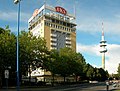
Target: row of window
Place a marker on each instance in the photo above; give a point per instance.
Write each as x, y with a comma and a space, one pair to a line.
58, 38
58, 35
35, 18
64, 23
53, 31
54, 24
35, 23
59, 22
54, 47
33, 26
57, 26
59, 44
57, 16
51, 25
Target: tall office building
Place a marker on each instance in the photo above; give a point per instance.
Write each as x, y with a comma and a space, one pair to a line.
58, 28
54, 24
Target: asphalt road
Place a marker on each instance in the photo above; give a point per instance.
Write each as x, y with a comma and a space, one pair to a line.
78, 87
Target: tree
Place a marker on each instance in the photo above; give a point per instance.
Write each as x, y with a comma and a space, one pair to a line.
103, 74
7, 52
90, 72
52, 63
32, 52
79, 71
69, 63
66, 62
119, 70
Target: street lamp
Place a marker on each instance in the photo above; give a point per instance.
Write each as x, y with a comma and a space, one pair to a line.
18, 2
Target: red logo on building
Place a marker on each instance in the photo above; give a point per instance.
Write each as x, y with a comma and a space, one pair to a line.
35, 12
61, 10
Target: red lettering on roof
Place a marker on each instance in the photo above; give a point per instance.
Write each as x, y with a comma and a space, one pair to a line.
61, 10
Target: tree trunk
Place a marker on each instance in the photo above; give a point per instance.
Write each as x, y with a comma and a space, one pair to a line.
0, 79
53, 79
76, 78
64, 79
29, 75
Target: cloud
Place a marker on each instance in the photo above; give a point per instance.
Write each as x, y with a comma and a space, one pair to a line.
91, 49
8, 16
96, 26
89, 24
12, 16
112, 56
15, 29
117, 16
113, 27
93, 23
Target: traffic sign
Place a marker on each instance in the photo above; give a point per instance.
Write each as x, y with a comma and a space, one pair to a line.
6, 73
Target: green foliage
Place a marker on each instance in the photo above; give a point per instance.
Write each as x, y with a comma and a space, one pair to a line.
119, 70
7, 48
32, 51
66, 62
7, 52
90, 72
33, 54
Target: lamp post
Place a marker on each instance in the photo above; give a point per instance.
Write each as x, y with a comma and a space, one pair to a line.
18, 2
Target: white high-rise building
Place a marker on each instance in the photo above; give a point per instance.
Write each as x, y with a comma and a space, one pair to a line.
57, 27
54, 24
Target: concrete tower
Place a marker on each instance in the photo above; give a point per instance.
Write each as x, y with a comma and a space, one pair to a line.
103, 49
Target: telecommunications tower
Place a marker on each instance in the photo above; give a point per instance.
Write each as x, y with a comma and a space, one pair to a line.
103, 49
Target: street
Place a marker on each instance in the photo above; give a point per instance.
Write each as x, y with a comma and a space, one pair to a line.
78, 87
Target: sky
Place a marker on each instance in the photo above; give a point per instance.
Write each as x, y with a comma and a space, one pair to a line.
89, 17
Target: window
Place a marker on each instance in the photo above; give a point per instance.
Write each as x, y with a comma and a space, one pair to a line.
57, 21
53, 20
54, 25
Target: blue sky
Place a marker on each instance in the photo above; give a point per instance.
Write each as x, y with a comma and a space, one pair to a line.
89, 17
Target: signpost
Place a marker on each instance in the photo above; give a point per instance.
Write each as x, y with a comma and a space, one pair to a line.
6, 77
6, 74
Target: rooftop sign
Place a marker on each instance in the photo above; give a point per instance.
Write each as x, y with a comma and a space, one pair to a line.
35, 12
60, 10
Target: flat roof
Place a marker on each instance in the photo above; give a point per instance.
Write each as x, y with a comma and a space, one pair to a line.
37, 11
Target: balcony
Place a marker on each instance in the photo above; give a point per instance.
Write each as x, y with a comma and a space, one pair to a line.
68, 42
53, 48
68, 46
53, 35
103, 50
53, 39
103, 44
73, 29
53, 44
68, 38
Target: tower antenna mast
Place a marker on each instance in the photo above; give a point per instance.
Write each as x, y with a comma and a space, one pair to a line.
103, 49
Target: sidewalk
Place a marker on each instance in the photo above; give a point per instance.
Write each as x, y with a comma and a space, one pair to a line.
116, 88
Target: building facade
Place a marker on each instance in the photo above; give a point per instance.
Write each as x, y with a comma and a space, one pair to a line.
58, 28
55, 25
